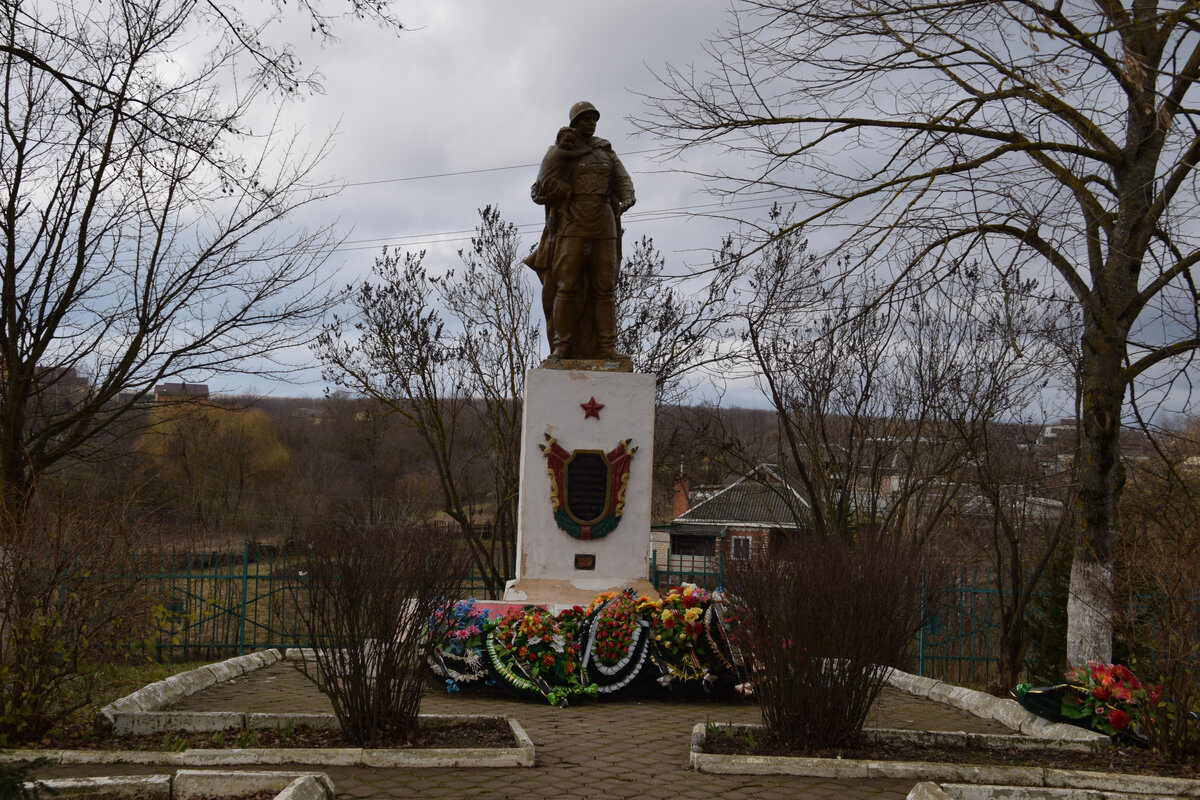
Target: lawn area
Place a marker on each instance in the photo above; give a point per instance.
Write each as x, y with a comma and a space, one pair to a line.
110, 682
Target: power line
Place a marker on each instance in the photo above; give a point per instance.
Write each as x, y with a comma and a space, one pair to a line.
478, 171
633, 217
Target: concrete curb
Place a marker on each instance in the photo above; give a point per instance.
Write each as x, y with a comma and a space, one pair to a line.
193, 785
120, 715
127, 787
961, 791
1006, 712
190, 784
150, 722
1038, 777
522, 754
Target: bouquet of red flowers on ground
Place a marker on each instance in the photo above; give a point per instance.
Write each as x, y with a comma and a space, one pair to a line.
1109, 698
615, 625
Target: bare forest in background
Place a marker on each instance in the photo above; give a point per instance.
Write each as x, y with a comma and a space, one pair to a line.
213, 475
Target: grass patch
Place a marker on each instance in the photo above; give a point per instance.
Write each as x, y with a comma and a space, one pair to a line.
109, 682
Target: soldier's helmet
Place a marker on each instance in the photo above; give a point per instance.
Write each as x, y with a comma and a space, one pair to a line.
581, 107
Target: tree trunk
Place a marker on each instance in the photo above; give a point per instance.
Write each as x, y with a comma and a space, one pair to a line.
1101, 478
1013, 644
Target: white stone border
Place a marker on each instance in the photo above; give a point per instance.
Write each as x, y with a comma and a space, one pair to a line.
963, 791
160, 694
520, 755
186, 784
1007, 712
849, 768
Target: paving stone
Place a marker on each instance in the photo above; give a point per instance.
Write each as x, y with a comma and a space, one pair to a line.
629, 748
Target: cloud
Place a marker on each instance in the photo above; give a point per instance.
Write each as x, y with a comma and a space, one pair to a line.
473, 90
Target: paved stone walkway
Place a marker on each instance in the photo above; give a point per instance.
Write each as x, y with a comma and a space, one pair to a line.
629, 748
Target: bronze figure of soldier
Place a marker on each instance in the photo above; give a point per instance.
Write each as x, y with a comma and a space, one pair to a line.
585, 189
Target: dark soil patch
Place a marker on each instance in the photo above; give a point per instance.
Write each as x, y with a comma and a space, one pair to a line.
471, 733
1115, 759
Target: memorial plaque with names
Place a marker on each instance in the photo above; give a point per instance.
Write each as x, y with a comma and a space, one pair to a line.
588, 477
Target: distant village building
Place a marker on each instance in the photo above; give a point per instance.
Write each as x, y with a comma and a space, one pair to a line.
750, 516
168, 392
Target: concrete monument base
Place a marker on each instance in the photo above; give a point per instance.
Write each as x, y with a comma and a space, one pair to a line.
584, 516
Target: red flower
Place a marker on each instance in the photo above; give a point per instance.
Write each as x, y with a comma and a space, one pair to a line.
1118, 719
1101, 692
1122, 672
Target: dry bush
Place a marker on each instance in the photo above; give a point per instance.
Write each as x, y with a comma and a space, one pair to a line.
1158, 605
68, 601
372, 592
823, 620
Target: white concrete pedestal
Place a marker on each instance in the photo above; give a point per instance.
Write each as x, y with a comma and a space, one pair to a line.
594, 411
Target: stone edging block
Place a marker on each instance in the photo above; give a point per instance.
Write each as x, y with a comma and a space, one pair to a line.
300, 654
1036, 777
1007, 712
963, 791
193, 785
307, 787
522, 754
125, 787
160, 694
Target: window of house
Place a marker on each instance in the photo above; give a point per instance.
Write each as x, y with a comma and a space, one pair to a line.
739, 548
693, 546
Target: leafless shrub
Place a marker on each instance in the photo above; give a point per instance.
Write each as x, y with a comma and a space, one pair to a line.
1157, 608
823, 621
372, 591
67, 602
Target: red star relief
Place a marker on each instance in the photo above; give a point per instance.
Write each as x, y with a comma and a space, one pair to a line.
591, 408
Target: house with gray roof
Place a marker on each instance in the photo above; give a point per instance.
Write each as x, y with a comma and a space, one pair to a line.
746, 518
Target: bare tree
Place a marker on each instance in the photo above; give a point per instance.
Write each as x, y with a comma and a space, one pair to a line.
448, 354
857, 392
668, 329
139, 226
1057, 136
1012, 511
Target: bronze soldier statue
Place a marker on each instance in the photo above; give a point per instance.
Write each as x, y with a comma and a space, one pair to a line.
585, 189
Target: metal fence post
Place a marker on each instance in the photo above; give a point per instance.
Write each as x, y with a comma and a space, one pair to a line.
245, 581
921, 632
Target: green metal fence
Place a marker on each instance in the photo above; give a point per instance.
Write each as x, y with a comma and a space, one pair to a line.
705, 571
220, 604
215, 605
957, 645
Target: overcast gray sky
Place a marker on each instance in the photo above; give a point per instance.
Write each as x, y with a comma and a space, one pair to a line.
454, 113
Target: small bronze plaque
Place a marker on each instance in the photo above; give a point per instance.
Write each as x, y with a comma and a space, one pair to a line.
585, 561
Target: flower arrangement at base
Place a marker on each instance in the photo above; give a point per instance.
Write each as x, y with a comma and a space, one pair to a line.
1109, 699
1103, 697
615, 639
457, 654
728, 661
536, 655
677, 627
